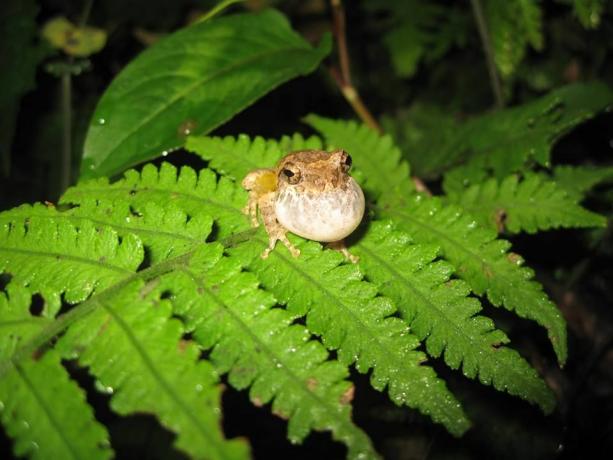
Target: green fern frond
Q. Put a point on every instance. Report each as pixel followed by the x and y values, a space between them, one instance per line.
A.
pixel 134 347
pixel 481 260
pixel 577 180
pixel 40 407
pixel 507 141
pixel 54 257
pixel 351 318
pixel 196 197
pixel 260 348
pixel 387 171
pixel 324 407
pixel 440 313
pixel 254 153
pixel 530 205
pixel 589 12
pixel 512 26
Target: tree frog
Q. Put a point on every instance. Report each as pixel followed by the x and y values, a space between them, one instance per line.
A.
pixel 309 193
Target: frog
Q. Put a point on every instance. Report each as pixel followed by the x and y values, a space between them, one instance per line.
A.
pixel 310 194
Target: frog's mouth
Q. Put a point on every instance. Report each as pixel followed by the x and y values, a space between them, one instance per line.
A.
pixel 325 216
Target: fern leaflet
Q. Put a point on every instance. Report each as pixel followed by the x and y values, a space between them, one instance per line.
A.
pixel 40 407
pixel 441 314
pixel 481 260
pixel 530 205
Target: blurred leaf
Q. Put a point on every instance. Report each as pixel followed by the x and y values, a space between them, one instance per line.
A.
pixel 418 30
pixel 423 134
pixel 505 141
pixel 513 25
pixel 589 12
pixel 73 40
pixel 20 54
pixel 577 180
pixel 209 72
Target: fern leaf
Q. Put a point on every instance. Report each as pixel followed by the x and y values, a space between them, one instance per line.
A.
pixel 349 316
pixel 589 12
pixel 249 333
pixel 197 197
pixel 531 205
pixel 482 261
pixel 440 313
pixel 40 407
pixel 134 348
pixel 506 141
pixel 54 258
pixel 387 172
pixel 577 180
pixel 260 348
pixel 257 153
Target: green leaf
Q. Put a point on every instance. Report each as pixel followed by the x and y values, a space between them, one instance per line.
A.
pixel 222 306
pixel 222 153
pixel 577 180
pixel 530 205
pixel 201 194
pixel 47 415
pixel 378 159
pixel 207 76
pixel 425 134
pixel 351 318
pixel 513 25
pixel 259 347
pixel 54 258
pixel 481 260
pixel 505 141
pixel 440 313
pixel 134 347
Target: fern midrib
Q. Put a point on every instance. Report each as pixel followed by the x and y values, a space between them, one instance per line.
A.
pixel 48 412
pixel 273 357
pixel 143 189
pixel 165 386
pixel 67 257
pixel 527 207
pixel 122 228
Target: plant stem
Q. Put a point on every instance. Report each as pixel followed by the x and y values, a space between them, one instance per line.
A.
pixel 66 160
pixel 343 78
pixel 488 51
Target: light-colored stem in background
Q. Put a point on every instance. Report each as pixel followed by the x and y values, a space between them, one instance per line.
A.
pixel 488 51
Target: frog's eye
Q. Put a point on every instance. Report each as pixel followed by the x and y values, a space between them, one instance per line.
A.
pixel 291 176
pixel 346 163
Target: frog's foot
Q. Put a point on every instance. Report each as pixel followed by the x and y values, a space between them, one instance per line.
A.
pixel 340 247
pixel 251 210
pixel 279 235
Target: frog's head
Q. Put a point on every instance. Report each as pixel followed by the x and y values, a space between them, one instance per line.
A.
pixel 314 170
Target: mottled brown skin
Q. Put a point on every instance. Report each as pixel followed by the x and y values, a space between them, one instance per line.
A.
pixel 308 174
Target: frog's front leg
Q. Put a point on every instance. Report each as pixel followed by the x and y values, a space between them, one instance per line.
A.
pixel 276 231
pixel 262 187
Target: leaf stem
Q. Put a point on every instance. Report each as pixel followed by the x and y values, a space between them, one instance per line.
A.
pixel 66 159
pixel 486 41
pixel 343 78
